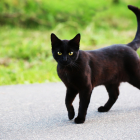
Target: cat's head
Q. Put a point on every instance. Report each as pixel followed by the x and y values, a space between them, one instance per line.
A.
pixel 65 52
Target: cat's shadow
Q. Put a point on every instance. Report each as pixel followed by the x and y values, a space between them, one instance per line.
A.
pixel 115 115
pixel 93 117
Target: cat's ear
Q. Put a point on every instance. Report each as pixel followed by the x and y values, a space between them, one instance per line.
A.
pixel 76 40
pixel 54 39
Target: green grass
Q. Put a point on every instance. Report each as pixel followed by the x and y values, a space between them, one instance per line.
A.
pixel 24 72
pixel 25 53
pixel 26 57
pixel 49 13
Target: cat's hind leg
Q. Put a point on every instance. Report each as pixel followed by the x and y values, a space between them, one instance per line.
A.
pixel 113 92
pixel 134 78
pixel 135 82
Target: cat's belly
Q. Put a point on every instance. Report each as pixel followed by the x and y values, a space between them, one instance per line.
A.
pixel 114 73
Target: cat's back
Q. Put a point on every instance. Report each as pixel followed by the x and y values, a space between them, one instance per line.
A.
pixel 113 62
pixel 118 51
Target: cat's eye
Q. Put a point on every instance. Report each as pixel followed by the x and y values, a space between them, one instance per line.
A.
pixel 59 53
pixel 70 53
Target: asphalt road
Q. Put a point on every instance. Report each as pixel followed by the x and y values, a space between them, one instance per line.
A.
pixel 37 112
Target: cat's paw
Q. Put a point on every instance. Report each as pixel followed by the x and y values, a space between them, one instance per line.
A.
pixel 79 120
pixel 102 109
pixel 71 115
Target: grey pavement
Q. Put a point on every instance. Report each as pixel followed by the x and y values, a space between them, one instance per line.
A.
pixel 37 112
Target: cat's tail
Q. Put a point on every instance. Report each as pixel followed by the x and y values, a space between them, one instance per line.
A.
pixel 135 44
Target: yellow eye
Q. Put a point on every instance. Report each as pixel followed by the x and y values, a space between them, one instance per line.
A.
pixel 59 53
pixel 70 53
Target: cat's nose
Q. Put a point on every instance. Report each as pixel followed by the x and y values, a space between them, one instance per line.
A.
pixel 65 59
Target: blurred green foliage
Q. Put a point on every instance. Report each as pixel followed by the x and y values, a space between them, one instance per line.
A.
pixel 26 25
pixel 48 13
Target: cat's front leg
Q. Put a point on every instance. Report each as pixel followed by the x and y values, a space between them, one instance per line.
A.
pixel 84 102
pixel 70 96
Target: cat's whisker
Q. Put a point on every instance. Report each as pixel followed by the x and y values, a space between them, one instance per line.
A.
pixel 76 66
pixel 71 65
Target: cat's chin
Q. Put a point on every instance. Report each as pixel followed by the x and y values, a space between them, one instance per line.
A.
pixel 64 65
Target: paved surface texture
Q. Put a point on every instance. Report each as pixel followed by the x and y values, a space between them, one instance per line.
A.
pixel 37 112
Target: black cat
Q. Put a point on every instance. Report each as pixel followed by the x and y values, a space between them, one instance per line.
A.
pixel 81 71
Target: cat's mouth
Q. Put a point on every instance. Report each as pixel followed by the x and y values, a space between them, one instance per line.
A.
pixel 70 65
pixel 65 64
